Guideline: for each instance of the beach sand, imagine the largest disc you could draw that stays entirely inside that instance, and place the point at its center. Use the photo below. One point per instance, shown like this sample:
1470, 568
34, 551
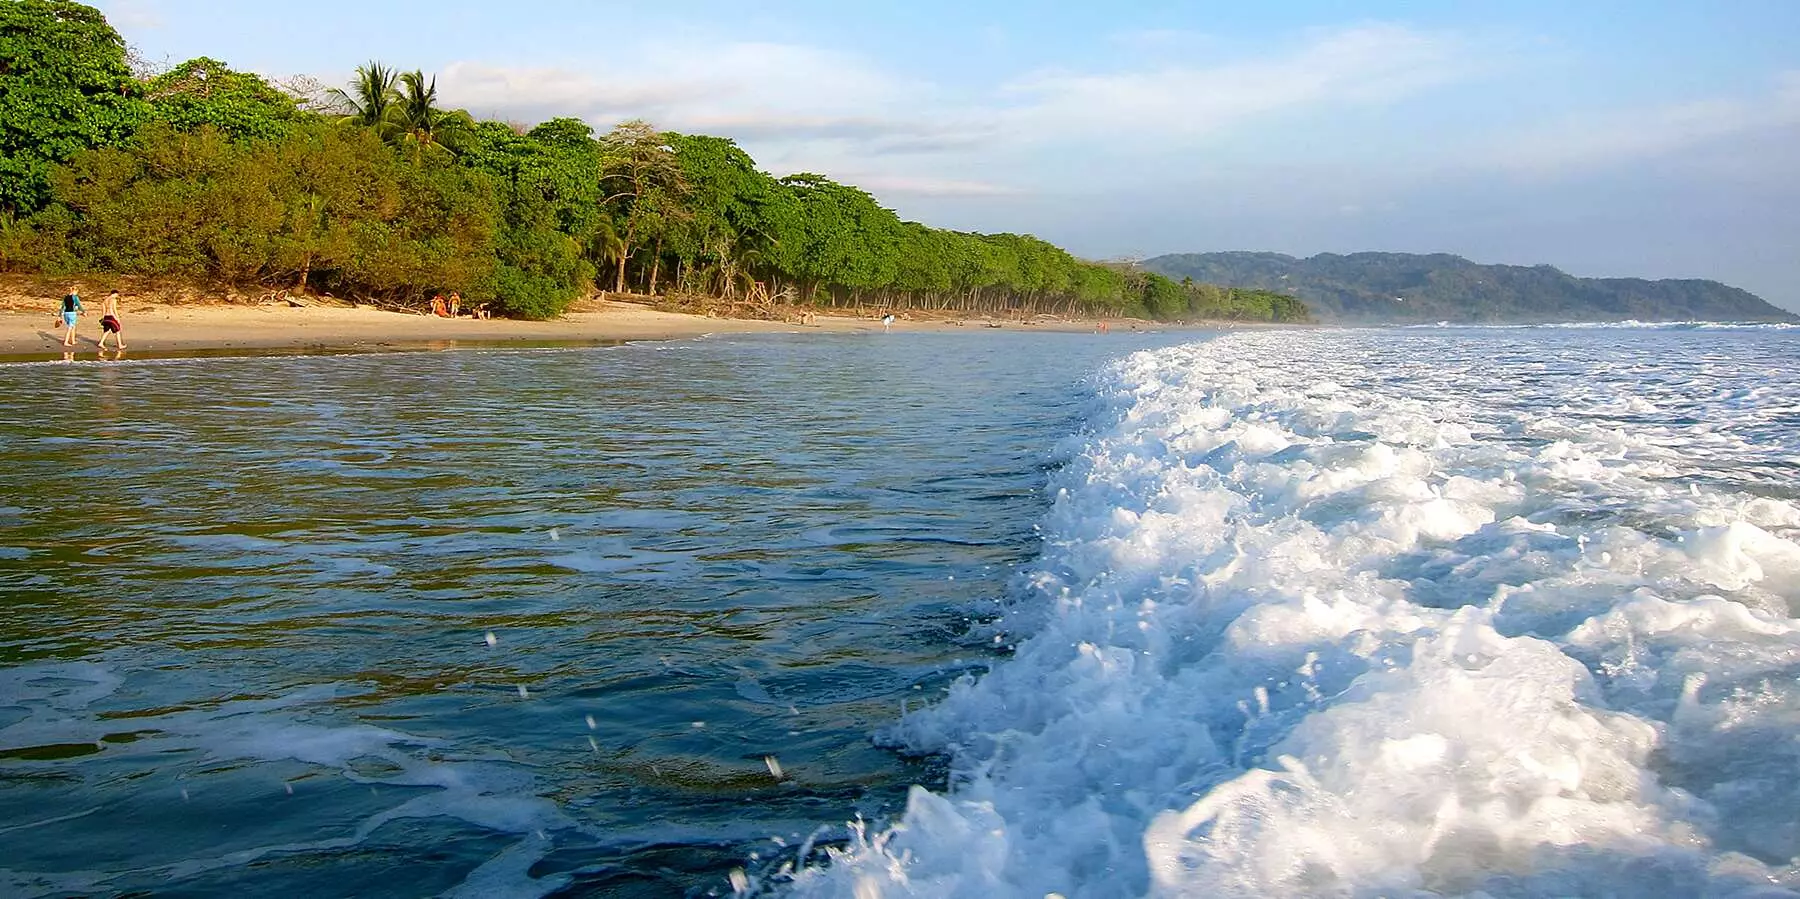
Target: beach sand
225, 329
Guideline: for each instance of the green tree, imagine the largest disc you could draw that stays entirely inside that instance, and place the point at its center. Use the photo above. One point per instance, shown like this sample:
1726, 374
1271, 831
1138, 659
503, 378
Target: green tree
64, 87
726, 229
420, 123
646, 191
1162, 298
371, 100
836, 236
549, 184
205, 91
328, 204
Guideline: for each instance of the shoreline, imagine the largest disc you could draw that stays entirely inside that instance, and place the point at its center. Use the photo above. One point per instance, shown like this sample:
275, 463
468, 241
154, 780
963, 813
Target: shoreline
160, 330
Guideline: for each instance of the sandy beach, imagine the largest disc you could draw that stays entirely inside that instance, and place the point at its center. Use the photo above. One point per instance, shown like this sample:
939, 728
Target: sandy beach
153, 330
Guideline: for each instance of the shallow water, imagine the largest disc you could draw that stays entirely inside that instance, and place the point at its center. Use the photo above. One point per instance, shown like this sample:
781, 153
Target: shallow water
499, 621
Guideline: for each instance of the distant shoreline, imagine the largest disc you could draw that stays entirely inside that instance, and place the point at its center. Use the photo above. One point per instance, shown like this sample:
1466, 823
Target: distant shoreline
154, 331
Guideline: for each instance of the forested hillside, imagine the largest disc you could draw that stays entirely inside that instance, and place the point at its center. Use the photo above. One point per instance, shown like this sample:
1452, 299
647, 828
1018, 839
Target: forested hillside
378, 192
1402, 287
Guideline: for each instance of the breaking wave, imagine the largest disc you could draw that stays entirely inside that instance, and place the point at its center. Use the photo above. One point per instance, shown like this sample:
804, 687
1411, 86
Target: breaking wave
1371, 613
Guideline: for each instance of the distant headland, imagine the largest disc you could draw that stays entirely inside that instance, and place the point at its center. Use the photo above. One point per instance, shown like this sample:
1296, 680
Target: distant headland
1368, 288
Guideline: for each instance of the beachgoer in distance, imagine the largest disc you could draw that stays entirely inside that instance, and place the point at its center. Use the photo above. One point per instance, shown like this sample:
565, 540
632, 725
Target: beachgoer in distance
887, 321
109, 321
455, 303
71, 312
437, 306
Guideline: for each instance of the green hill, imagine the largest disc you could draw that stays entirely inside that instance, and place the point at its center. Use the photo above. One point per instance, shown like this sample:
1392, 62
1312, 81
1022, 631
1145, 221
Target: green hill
1405, 287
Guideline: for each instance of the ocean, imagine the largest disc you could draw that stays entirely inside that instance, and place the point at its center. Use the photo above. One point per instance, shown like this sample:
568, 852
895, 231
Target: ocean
1427, 611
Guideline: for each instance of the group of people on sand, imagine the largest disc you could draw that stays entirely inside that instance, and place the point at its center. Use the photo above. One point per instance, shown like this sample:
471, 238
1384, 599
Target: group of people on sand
451, 307
109, 318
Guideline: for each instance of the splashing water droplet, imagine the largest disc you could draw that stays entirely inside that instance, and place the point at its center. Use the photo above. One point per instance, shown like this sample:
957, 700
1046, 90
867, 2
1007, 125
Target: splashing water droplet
554, 536
592, 725
523, 692
491, 639
774, 767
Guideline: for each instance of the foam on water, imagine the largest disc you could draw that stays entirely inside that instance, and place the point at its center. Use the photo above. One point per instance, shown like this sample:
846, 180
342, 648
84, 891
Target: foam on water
1630, 324
1387, 613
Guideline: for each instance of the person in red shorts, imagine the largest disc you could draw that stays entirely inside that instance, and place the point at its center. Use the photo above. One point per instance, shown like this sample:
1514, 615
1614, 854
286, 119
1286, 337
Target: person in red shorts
109, 321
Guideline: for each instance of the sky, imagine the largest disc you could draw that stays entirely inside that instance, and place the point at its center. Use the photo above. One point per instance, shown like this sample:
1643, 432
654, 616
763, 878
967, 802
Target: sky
1611, 139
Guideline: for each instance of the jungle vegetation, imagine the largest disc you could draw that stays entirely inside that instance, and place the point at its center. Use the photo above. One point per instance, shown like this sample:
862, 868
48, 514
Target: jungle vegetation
376, 191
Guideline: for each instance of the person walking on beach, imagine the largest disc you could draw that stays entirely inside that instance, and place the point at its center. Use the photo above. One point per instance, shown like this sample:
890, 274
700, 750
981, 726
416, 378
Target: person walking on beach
109, 321
71, 311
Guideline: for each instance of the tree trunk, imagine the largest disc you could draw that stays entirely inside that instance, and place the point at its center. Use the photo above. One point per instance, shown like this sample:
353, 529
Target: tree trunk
655, 266
624, 253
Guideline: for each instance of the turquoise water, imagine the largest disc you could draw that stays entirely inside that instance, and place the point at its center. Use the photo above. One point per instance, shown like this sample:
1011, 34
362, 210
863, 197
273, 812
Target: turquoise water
392, 625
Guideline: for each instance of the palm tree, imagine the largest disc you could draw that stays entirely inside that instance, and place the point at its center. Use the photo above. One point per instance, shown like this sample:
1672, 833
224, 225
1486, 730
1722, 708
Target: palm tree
420, 122
371, 101
608, 248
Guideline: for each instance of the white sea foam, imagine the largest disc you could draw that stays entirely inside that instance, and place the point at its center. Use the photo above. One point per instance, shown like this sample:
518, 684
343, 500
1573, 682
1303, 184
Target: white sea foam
1632, 324
1383, 613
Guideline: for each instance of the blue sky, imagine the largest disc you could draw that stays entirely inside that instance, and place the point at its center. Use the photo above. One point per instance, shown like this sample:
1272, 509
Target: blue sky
1607, 138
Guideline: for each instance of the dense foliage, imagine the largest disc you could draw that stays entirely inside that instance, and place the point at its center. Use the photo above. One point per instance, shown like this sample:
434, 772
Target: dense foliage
64, 87
381, 193
1402, 287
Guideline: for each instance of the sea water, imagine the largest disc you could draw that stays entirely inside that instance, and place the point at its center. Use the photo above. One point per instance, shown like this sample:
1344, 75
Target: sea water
599, 621
1317, 612
1389, 613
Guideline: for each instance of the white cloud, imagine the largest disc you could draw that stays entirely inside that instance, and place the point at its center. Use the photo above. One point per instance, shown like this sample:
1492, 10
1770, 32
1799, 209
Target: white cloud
752, 87
1365, 65
804, 108
1594, 141
795, 107
912, 186
131, 15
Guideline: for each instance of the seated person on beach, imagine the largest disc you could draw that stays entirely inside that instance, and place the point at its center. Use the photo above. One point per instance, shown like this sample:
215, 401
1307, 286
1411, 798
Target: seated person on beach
437, 306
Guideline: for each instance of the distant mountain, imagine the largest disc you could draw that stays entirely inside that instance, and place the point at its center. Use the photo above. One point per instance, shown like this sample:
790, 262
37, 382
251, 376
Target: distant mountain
1404, 287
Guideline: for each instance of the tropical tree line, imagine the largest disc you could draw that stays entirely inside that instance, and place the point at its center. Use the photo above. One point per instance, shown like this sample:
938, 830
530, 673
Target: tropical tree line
378, 191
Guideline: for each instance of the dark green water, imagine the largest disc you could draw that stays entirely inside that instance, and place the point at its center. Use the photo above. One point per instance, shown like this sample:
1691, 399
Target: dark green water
246, 605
